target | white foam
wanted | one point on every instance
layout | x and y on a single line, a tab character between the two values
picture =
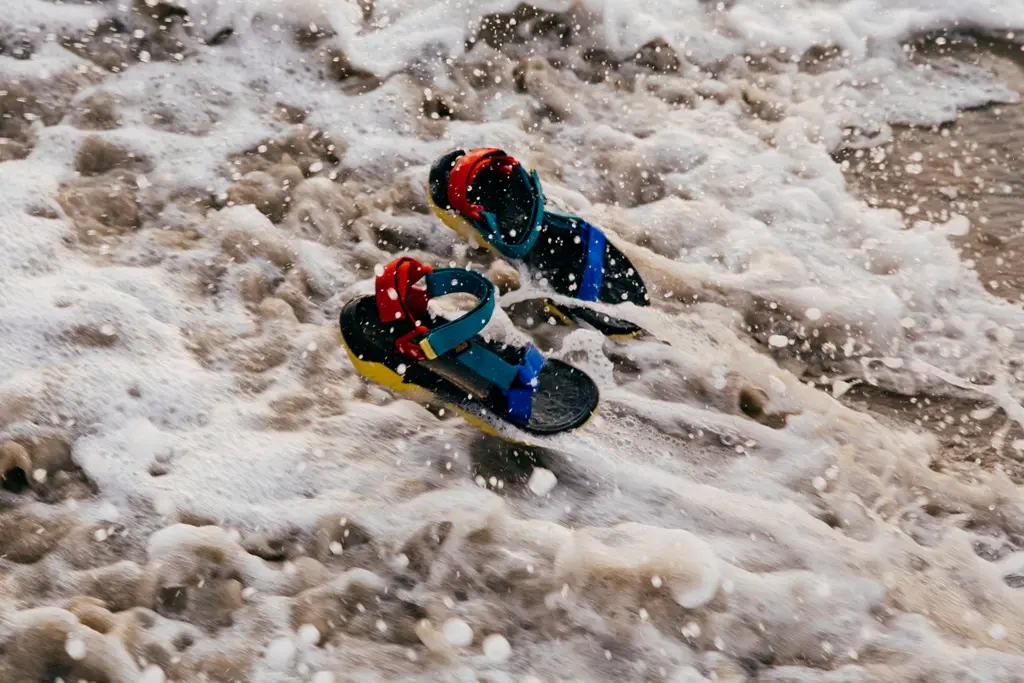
75	648
280	652
542	481
671	503
688	566
153	674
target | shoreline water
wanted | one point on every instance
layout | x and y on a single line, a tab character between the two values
970	167
197	486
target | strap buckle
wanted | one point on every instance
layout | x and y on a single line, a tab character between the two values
426	348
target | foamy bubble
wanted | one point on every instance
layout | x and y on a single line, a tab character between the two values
75	647
982	414
308	634
279	653
164	505
840	387
542	481
152	674
497	648
457	632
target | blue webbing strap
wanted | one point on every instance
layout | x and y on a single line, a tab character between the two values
593	270
520	395
593	264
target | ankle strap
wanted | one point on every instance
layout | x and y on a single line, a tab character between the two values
399	300
461	178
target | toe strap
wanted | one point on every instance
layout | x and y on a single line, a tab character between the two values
593	269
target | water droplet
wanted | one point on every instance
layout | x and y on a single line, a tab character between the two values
309	634
542	481
75	647
457	632
496	648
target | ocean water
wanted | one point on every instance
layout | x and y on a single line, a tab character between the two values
198	487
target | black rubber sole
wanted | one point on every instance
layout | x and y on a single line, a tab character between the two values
564	400
605	324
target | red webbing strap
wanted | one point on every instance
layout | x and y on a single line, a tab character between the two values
397	300
465	171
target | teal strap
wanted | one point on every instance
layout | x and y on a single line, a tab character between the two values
484	362
487	364
516	382
446	337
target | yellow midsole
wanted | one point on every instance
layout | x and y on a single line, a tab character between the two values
382	374
460	225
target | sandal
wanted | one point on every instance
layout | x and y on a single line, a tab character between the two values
394	340
488	197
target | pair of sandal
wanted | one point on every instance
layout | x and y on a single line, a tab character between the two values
487	196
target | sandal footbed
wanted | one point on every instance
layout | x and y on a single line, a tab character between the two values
556	256
565	397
